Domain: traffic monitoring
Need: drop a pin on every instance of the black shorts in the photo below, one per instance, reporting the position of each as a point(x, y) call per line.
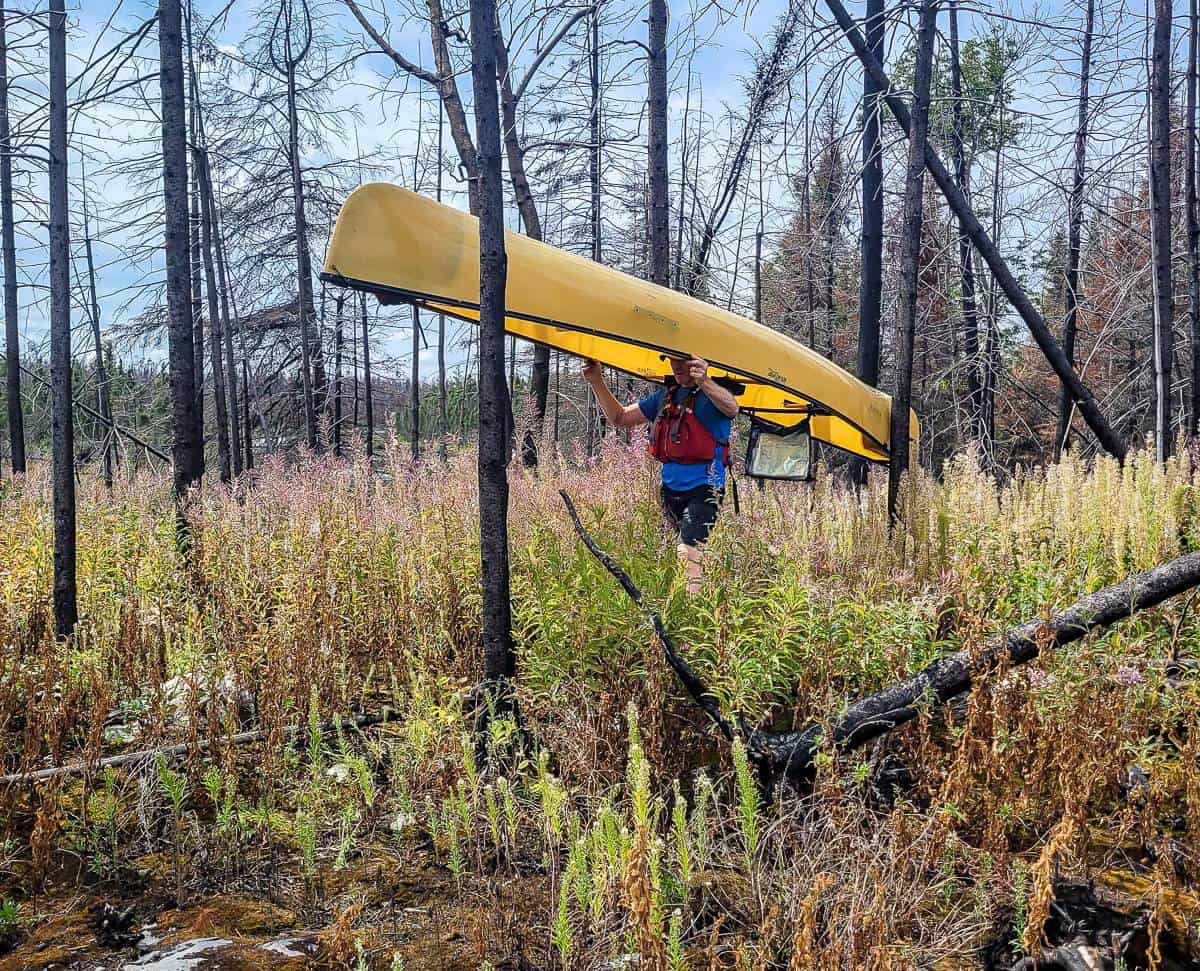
point(692, 512)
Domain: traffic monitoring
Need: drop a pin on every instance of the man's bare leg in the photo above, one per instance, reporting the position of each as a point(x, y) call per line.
point(692, 561)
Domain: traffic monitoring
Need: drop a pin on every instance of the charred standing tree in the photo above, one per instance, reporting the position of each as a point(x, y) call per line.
point(539, 379)
point(1193, 217)
point(286, 63)
point(8, 246)
point(1075, 229)
point(338, 346)
point(443, 428)
point(910, 259)
point(594, 426)
point(659, 217)
point(594, 149)
point(187, 446)
point(63, 431)
point(966, 266)
point(247, 424)
point(368, 398)
point(870, 283)
point(246, 398)
point(225, 376)
point(196, 262)
point(103, 405)
point(1160, 224)
point(224, 456)
point(1089, 408)
point(527, 207)
point(415, 391)
point(870, 287)
point(227, 323)
point(498, 655)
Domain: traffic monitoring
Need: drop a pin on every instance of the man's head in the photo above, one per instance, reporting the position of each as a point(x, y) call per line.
point(681, 370)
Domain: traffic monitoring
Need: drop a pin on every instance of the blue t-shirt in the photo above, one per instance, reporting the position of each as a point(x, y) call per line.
point(680, 476)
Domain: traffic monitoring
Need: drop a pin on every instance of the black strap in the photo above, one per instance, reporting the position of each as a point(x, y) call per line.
point(684, 407)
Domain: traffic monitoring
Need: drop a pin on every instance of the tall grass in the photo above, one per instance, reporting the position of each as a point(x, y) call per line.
point(323, 589)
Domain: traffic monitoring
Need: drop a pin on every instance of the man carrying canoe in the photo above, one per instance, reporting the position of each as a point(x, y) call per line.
point(691, 418)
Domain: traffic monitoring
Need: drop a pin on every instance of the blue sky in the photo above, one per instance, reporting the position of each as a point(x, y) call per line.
point(388, 122)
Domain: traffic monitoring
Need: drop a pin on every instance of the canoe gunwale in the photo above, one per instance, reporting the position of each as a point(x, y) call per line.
point(439, 304)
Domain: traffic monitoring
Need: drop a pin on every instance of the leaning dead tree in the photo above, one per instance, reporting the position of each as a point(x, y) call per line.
point(790, 757)
point(769, 82)
point(1089, 408)
point(444, 81)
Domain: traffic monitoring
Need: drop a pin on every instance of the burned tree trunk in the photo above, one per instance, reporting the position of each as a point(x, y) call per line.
point(368, 399)
point(1193, 218)
point(499, 656)
point(247, 424)
point(187, 448)
point(8, 244)
point(224, 456)
point(195, 262)
point(1160, 225)
point(966, 267)
point(441, 338)
point(910, 261)
point(103, 405)
point(659, 220)
point(285, 64)
point(225, 377)
point(231, 381)
point(870, 287)
point(415, 393)
point(986, 247)
point(63, 430)
point(1074, 230)
point(338, 343)
point(870, 284)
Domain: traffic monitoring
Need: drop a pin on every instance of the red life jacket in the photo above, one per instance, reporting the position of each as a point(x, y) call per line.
point(677, 435)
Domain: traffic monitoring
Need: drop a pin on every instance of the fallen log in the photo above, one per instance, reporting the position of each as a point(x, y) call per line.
point(790, 756)
point(180, 749)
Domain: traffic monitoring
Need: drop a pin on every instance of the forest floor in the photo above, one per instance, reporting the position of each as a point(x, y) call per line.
point(1058, 807)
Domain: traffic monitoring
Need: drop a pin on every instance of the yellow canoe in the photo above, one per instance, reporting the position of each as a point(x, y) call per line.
point(399, 244)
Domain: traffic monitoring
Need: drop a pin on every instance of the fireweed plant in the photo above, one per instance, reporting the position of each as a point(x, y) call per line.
point(325, 589)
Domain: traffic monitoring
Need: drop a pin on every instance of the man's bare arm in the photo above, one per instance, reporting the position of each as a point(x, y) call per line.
point(618, 415)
